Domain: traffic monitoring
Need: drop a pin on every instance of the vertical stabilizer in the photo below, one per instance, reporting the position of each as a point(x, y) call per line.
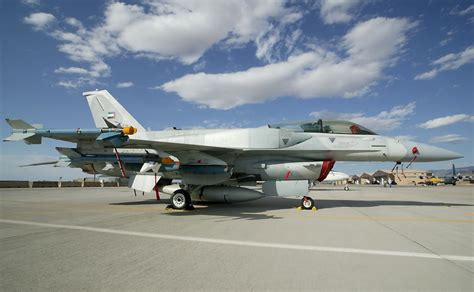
point(108, 112)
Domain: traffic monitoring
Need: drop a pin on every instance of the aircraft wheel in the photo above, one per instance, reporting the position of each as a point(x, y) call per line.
point(180, 200)
point(307, 203)
point(346, 188)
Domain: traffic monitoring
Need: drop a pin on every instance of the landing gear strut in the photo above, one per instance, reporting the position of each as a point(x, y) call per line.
point(181, 200)
point(307, 203)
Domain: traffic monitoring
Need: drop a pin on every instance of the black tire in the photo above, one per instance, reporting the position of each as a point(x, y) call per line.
point(180, 200)
point(307, 203)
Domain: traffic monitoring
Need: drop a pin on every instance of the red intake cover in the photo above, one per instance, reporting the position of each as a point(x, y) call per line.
point(325, 169)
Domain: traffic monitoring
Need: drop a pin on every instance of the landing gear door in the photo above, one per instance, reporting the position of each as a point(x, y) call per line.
point(143, 182)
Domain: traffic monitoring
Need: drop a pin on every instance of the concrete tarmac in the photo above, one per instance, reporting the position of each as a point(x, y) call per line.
point(369, 238)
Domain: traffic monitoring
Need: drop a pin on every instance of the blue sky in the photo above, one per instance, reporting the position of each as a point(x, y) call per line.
point(401, 68)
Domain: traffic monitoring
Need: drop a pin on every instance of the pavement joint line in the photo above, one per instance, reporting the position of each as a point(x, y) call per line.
point(244, 243)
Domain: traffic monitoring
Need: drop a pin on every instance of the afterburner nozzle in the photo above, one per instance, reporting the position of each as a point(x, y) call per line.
point(129, 130)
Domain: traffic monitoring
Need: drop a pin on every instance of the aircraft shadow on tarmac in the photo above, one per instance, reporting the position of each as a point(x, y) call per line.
point(255, 210)
point(246, 210)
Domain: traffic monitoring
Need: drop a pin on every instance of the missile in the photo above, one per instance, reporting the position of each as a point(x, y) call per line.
point(32, 135)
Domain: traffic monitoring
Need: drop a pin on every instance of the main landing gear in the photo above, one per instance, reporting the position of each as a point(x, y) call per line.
point(307, 203)
point(181, 200)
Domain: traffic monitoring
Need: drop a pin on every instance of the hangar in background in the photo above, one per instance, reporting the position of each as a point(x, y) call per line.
point(407, 177)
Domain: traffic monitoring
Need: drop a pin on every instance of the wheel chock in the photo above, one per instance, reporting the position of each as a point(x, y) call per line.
point(188, 208)
point(314, 209)
point(299, 208)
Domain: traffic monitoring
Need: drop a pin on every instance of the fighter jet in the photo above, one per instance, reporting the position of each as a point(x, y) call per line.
point(220, 164)
point(335, 176)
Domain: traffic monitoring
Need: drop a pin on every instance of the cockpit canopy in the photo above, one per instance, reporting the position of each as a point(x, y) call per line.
point(325, 126)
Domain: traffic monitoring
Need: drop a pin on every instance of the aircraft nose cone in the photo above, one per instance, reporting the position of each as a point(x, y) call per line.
point(428, 153)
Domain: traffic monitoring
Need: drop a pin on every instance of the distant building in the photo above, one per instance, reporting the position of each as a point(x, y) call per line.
point(412, 176)
point(355, 179)
point(366, 179)
point(405, 177)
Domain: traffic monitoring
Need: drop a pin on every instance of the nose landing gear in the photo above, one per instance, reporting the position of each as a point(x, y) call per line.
point(307, 203)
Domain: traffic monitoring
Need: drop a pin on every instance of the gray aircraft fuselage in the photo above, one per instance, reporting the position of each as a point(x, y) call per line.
point(214, 164)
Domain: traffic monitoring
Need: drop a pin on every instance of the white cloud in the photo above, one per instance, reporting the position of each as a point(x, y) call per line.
point(265, 45)
point(31, 2)
point(382, 122)
point(468, 10)
point(180, 29)
point(77, 82)
point(39, 20)
point(450, 138)
point(125, 84)
point(74, 22)
point(445, 41)
point(448, 62)
point(427, 75)
point(217, 124)
point(405, 137)
point(338, 11)
point(83, 46)
point(85, 76)
point(448, 120)
point(369, 47)
point(69, 84)
point(71, 70)
point(186, 29)
point(199, 66)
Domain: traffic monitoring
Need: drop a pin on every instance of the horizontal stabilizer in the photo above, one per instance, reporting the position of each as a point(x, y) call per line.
point(19, 124)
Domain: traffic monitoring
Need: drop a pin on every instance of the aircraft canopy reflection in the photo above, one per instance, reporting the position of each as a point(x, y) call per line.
point(325, 126)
